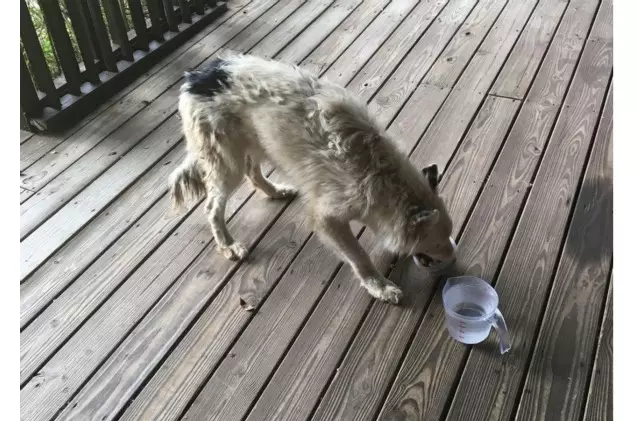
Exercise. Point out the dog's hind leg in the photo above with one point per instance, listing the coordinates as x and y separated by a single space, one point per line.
272 190
215 207
339 236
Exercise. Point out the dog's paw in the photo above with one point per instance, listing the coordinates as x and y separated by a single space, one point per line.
284 192
234 252
383 289
391 293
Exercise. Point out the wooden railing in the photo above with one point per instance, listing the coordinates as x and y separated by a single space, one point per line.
92 48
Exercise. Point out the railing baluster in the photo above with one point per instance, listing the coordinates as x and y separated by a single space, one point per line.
185 11
154 8
83 38
198 6
33 49
62 43
139 22
171 17
29 100
99 26
116 21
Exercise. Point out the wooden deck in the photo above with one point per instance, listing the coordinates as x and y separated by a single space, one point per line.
128 313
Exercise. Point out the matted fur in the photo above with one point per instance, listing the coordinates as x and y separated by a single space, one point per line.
243 109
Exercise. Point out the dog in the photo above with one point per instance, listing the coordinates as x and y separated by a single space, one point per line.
240 110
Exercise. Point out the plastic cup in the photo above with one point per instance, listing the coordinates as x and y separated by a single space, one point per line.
471 309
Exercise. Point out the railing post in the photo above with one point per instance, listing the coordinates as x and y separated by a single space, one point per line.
33 49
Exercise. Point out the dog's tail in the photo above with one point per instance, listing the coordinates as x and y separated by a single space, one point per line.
186 183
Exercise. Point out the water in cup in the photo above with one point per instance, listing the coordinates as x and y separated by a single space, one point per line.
471 309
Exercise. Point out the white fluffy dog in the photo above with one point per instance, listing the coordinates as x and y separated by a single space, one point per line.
242 109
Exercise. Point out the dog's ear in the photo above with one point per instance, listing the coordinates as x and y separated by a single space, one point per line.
432 175
425 217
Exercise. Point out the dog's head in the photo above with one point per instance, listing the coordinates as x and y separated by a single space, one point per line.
430 227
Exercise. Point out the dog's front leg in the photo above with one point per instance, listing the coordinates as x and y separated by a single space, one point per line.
339 236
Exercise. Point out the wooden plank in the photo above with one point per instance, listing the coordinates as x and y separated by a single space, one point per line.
444 38
564 351
118 28
53 233
442 138
139 24
364 47
599 403
24 136
528 52
527 269
331 48
48 391
59 192
37 62
65 184
431 366
90 135
98 26
402 40
318 30
296 23
83 38
35 148
263 26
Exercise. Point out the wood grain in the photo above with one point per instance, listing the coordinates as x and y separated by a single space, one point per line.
434 47
75 362
333 46
526 273
432 364
319 30
564 351
526 56
441 138
24 136
85 206
284 33
375 72
364 47
599 402
35 148
466 43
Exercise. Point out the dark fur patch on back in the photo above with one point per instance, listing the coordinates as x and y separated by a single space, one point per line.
208 81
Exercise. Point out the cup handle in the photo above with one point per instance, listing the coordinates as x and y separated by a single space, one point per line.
503 333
